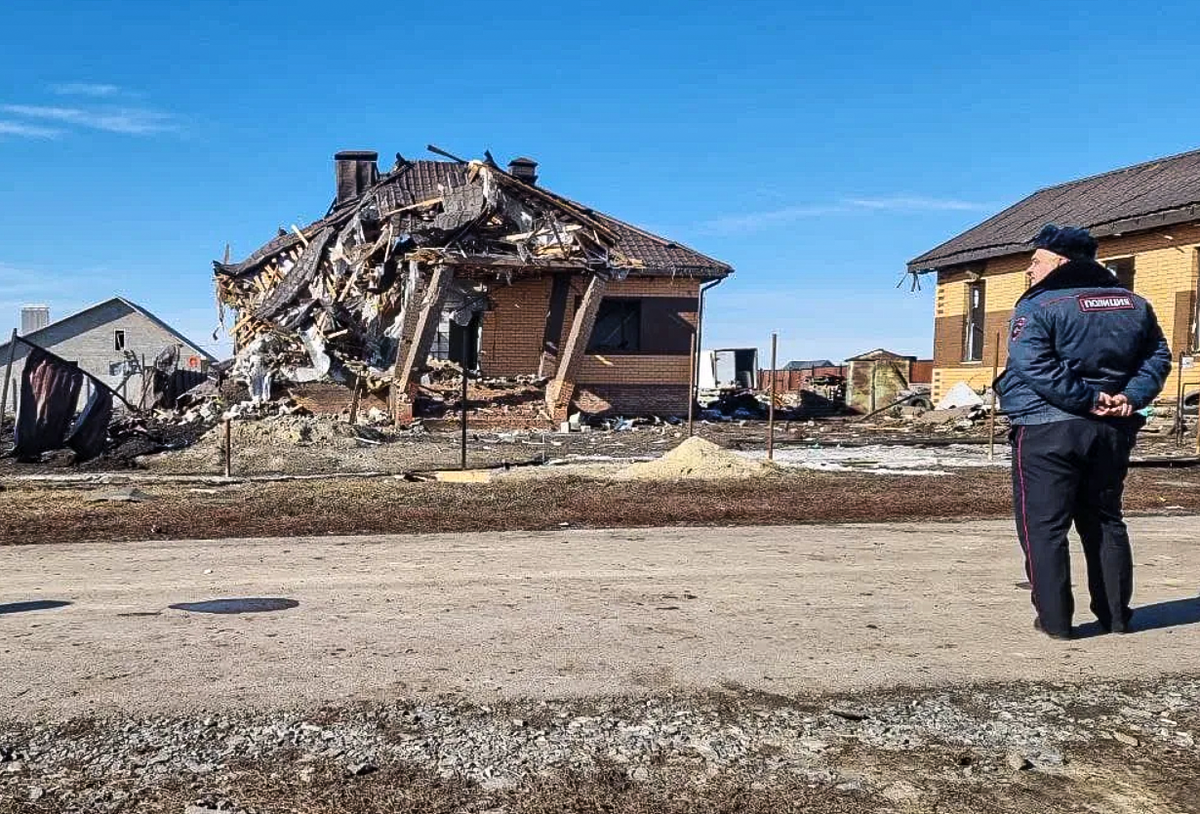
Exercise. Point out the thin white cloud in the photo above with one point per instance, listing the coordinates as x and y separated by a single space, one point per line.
8 128
134 121
86 89
904 203
756 221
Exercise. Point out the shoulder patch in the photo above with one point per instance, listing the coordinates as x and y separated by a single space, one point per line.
1018 325
1106 302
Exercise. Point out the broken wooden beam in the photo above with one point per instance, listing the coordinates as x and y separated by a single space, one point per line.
561 390
415 342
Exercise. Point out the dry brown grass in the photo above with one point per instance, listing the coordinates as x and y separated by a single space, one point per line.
39 514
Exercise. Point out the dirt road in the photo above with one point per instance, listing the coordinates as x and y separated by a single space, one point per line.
557 615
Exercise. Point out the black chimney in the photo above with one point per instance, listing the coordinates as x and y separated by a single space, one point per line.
355 171
524 169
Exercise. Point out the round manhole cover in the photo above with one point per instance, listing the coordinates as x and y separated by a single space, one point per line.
241 605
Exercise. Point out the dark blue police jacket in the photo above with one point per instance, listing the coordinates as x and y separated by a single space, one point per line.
1077 334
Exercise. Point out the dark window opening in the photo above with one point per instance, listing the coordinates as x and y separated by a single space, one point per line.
464 342
119 340
976 314
458 343
1124 270
618 327
654 326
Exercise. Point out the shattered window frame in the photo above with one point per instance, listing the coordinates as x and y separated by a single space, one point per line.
618 326
118 339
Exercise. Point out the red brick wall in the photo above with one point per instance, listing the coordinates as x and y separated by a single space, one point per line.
511 340
627 399
632 384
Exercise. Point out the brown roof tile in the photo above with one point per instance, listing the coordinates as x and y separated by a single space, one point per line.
1158 193
419 180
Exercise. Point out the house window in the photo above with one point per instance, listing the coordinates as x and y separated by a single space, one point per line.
976 313
618 327
119 340
653 326
1123 269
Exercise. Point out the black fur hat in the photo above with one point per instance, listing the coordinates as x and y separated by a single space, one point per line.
1071 242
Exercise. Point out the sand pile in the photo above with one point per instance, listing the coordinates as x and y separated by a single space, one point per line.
697 458
290 444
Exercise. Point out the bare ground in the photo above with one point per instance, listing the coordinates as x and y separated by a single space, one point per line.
394 680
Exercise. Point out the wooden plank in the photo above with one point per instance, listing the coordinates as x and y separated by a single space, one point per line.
562 389
425 204
419 339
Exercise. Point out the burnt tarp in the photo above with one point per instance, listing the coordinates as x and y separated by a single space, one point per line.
49 391
91 429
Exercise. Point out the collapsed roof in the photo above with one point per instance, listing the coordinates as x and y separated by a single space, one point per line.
336 299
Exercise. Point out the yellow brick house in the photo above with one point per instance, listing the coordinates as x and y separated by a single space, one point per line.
1147 221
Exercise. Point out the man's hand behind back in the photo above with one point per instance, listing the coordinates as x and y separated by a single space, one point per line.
1109 406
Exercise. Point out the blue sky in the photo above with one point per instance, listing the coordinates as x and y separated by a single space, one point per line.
814 148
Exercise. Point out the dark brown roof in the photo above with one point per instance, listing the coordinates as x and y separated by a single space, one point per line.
419 181
662 256
1158 193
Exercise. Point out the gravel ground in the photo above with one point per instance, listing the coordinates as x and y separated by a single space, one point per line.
1022 748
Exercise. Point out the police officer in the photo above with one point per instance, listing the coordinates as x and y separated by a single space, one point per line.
1084 355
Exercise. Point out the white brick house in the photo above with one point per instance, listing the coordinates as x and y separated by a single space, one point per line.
104 339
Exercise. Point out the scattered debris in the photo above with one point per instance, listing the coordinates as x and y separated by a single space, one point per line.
960 395
129 495
355 297
1018 762
849 713
1127 739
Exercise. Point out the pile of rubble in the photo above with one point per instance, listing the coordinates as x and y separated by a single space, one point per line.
505 398
343 300
754 405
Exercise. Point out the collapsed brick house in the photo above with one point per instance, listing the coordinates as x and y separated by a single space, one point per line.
1146 219
467 262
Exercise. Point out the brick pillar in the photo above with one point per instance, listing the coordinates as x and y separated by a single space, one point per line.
561 390
419 324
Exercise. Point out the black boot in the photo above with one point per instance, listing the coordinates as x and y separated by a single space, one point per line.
1037 625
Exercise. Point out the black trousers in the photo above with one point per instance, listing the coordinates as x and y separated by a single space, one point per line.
1068 471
